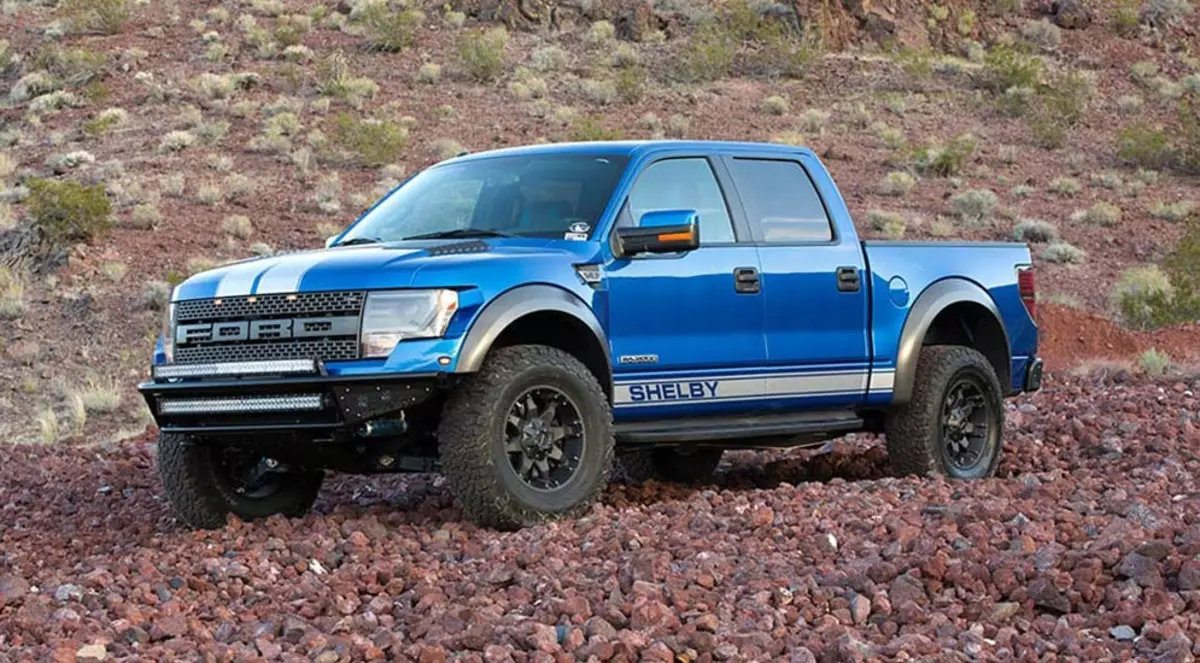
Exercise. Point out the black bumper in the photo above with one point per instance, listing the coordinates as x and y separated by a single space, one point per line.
225 406
1033 375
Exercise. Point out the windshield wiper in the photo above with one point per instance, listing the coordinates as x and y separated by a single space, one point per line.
463 232
360 240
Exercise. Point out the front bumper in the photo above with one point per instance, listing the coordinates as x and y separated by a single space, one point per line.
313 403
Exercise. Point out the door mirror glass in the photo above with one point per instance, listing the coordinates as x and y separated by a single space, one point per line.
661 231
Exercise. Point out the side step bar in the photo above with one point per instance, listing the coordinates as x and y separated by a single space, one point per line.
712 429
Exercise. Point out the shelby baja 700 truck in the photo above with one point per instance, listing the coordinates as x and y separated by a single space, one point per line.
527 320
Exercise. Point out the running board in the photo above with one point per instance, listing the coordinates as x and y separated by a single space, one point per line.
710 429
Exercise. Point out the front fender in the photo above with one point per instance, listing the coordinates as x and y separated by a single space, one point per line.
511 306
935 299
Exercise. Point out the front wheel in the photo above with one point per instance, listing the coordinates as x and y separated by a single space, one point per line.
954 424
527 439
205 482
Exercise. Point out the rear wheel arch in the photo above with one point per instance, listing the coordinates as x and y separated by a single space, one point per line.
951 312
539 315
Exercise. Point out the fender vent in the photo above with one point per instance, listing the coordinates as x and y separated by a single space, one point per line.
475 246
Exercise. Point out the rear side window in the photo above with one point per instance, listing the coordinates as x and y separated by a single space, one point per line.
781 201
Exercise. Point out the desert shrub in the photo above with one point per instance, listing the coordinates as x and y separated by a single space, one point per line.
1143 297
12 295
429 72
599 33
1172 211
1066 186
481 53
1035 231
375 142
67 211
1102 213
1058 107
1009 66
708 55
889 224
105 16
334 79
238 226
72 67
944 160
813 120
389 30
974 205
775 105
1141 145
1062 252
1043 34
598 91
1154 362
631 82
589 128
897 183
549 58
1164 13
1125 17
105 120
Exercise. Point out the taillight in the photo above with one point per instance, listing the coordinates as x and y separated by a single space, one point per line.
1026 285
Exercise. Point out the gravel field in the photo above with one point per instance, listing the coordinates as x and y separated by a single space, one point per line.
1085 548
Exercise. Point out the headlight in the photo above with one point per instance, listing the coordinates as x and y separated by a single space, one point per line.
391 317
168 333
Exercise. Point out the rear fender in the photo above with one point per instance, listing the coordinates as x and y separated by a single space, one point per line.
933 301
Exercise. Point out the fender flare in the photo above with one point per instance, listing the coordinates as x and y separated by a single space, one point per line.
929 304
511 306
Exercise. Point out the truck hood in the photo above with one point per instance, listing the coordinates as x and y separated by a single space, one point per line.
392 265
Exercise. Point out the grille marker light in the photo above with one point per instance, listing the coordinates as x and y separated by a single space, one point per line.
236 369
251 404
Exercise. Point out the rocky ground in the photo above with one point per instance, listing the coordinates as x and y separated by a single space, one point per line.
1083 548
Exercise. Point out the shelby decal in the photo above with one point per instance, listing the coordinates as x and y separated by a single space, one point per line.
672 391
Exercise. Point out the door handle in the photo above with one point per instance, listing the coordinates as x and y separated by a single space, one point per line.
746 280
847 279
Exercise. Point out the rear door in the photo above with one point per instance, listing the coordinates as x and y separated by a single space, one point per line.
684 331
813 283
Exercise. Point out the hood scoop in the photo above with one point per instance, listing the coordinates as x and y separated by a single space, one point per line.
455 248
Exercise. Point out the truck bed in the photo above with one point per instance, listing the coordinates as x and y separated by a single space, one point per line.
902 270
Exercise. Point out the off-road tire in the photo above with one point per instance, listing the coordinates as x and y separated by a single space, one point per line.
471 438
914 431
671 465
191 480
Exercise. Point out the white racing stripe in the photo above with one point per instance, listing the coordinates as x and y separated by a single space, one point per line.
639 393
285 276
238 279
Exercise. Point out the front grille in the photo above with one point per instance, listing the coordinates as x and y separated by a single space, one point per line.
314 325
307 304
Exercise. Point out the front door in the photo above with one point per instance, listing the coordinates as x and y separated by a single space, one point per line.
685 331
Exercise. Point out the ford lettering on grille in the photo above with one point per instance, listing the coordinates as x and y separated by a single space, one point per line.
322 326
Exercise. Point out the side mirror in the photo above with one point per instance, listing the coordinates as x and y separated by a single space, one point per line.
329 241
661 231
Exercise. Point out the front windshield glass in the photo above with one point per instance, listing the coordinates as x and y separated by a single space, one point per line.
527 196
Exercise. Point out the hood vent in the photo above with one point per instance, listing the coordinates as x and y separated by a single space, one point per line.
455 248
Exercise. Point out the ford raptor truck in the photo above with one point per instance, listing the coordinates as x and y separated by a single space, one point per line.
529 321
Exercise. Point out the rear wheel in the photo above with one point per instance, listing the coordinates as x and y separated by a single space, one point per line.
954 424
205 482
528 438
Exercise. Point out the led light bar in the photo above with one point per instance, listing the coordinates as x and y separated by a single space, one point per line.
249 404
236 369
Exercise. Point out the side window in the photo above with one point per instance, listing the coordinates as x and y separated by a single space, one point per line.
683 184
781 201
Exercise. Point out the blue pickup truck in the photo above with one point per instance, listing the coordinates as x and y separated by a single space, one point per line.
529 321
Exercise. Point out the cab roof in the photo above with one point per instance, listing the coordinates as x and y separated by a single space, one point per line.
634 148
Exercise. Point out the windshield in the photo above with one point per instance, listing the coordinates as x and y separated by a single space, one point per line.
542 195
